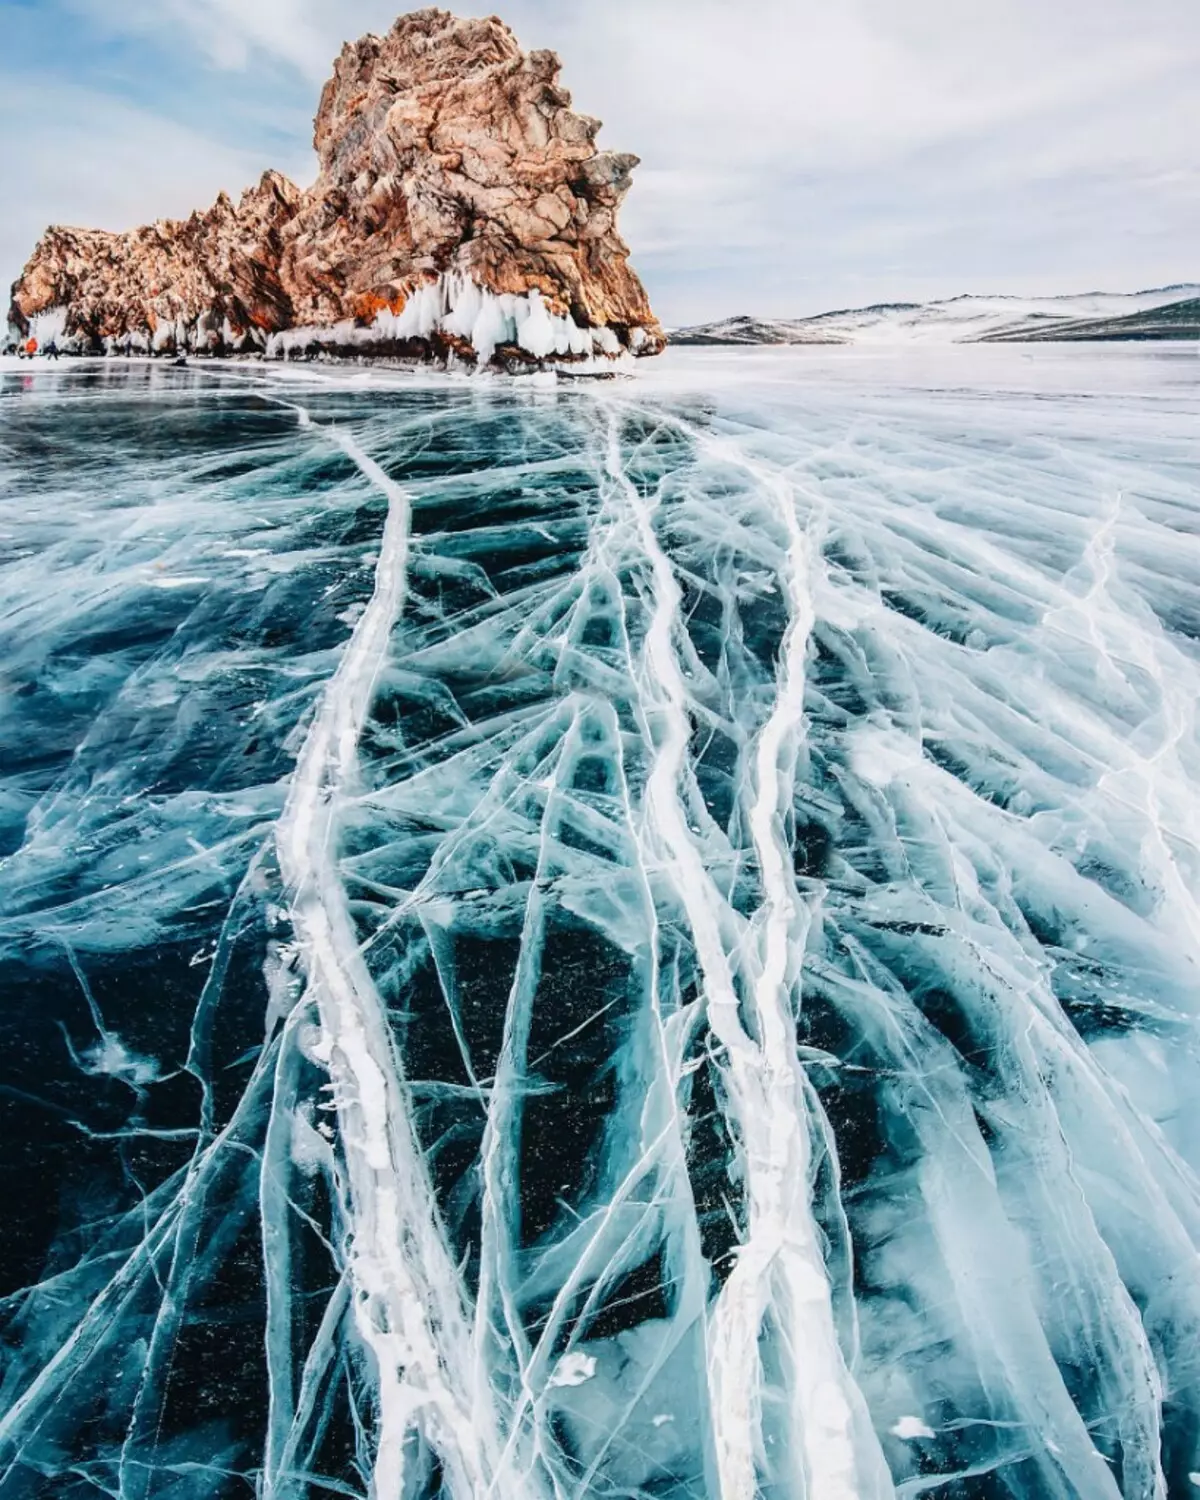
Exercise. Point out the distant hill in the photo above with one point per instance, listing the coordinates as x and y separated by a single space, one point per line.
1170 312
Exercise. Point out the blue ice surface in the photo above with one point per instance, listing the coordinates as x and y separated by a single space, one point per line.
636 940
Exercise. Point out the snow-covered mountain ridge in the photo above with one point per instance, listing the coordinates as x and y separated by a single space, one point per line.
1162 312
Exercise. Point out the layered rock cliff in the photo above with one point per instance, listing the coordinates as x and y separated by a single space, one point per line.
462 207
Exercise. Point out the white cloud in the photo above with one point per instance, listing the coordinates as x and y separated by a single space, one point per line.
231 34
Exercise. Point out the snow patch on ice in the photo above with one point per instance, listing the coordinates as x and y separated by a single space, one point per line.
912 1428
883 756
111 1058
573 1369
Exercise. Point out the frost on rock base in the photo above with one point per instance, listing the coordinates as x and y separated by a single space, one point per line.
448 320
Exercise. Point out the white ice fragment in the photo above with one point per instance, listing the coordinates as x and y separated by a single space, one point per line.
161 695
880 756
309 1144
579 340
493 325
536 330
422 312
111 1058
466 303
573 1369
662 1419
911 1428
49 326
317 1045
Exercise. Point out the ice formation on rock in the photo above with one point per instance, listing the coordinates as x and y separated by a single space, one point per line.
462 209
601 942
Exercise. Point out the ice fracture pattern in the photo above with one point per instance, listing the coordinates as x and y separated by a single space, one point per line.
636 941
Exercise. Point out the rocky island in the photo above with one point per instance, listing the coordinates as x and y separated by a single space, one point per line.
462 212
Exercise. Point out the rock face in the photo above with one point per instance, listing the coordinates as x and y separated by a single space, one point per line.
210 281
462 208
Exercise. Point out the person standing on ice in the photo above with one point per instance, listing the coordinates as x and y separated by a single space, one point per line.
31 348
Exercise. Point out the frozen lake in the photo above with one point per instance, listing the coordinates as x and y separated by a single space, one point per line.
602 940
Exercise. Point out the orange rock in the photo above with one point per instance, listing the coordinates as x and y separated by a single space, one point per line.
444 150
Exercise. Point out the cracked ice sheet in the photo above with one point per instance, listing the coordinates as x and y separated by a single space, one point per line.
607 942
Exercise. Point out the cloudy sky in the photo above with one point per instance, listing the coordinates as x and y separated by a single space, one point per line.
797 155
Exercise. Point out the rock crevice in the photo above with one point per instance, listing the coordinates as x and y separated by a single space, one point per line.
461 206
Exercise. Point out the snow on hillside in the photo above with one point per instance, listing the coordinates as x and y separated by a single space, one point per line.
959 320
